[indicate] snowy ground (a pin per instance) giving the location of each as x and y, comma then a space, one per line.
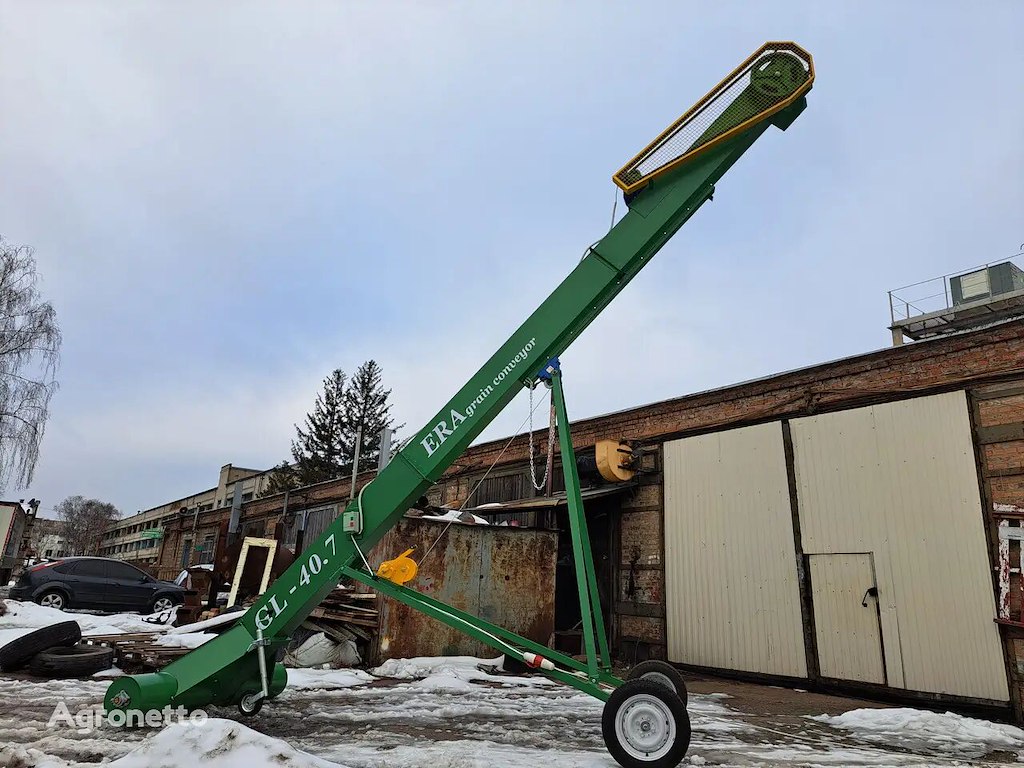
447, 713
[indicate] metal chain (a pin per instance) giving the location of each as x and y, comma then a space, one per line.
480, 481
541, 484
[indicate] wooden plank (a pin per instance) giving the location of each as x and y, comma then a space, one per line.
996, 391
1004, 472
123, 636
640, 609
1001, 434
360, 632
351, 609
320, 613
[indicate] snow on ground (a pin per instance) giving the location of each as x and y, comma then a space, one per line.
326, 679
190, 641
914, 729
112, 672
448, 713
217, 743
22, 618
453, 672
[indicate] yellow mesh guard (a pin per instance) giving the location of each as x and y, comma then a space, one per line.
772, 78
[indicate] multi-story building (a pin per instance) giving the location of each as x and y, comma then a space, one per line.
138, 537
46, 540
16, 519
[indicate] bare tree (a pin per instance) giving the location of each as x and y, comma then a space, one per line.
29, 353
83, 523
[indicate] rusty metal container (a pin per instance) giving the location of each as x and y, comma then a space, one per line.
503, 574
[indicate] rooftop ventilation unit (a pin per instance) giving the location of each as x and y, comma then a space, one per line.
986, 283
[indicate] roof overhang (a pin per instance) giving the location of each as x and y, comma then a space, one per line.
548, 502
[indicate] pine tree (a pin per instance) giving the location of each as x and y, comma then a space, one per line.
282, 477
366, 406
319, 450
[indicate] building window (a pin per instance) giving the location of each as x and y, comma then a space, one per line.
206, 555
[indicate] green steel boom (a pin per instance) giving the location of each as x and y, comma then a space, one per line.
664, 186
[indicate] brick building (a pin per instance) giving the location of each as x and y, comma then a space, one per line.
851, 525
137, 538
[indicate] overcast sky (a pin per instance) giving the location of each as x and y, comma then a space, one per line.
227, 201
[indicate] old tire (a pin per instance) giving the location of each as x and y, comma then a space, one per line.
76, 661
645, 725
17, 653
660, 672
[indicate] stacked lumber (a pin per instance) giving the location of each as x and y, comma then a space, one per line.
353, 613
137, 651
343, 615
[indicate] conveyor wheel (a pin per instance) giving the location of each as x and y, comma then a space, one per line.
645, 725
250, 704
660, 672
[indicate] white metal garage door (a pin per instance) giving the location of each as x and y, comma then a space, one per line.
846, 619
899, 481
731, 590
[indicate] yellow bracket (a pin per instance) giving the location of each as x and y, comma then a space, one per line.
401, 570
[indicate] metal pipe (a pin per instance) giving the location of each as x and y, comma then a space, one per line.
355, 464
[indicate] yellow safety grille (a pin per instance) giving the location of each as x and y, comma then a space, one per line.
772, 78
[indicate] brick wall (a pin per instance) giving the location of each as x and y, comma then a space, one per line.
998, 415
639, 624
893, 373
898, 372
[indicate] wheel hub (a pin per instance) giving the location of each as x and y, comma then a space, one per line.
645, 727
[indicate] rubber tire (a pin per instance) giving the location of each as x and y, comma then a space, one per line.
76, 661
655, 667
152, 606
17, 653
618, 699
62, 594
254, 710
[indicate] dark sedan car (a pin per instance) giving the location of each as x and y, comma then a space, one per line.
96, 583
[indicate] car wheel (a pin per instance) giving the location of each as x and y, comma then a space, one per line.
53, 599
660, 672
162, 604
645, 725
